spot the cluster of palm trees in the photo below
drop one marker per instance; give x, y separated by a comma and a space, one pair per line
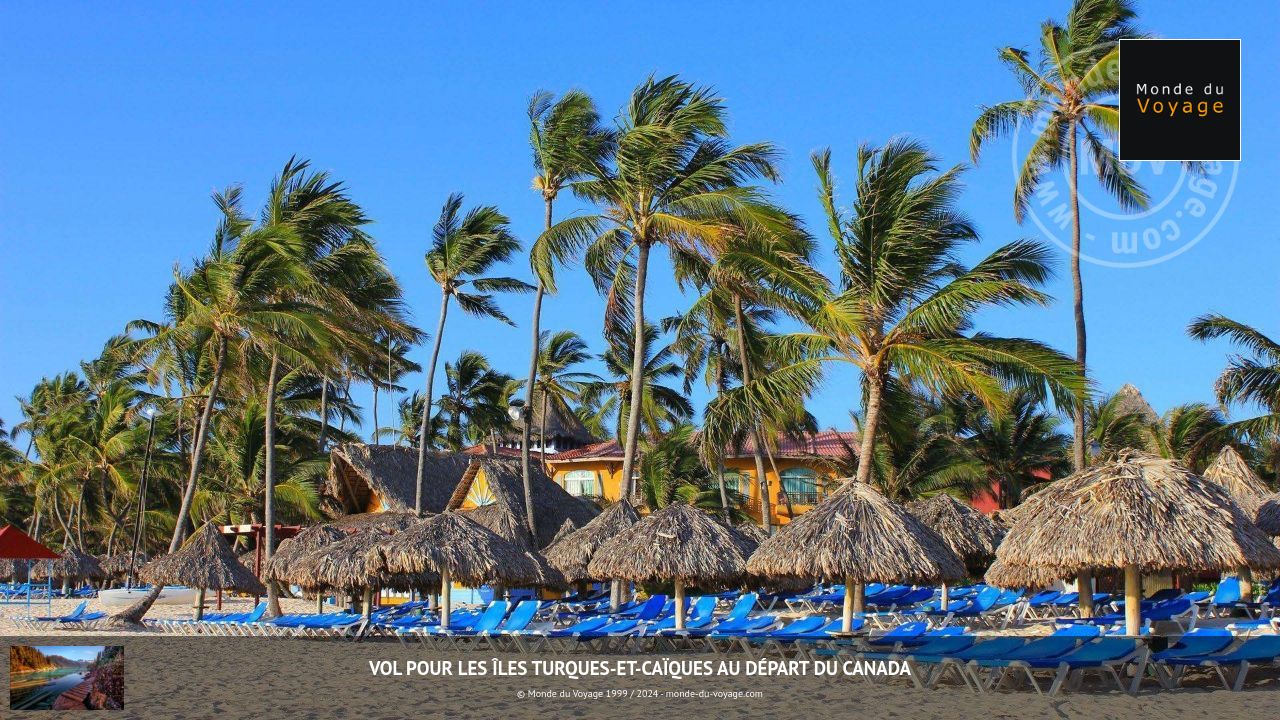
233, 398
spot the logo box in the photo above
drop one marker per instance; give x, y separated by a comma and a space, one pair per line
1180, 100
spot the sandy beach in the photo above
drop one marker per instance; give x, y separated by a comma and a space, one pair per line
205, 677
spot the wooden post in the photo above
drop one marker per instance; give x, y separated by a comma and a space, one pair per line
219, 598
859, 596
445, 586
946, 597
679, 605
1246, 584
615, 595
1132, 601
847, 623
368, 602
319, 603
1084, 585
200, 605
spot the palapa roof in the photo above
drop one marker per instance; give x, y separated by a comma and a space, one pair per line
15, 570
1129, 401
205, 561
571, 554
1003, 575
117, 566
1137, 509
293, 549
1231, 471
389, 521
472, 553
560, 422
970, 534
860, 535
1268, 517
357, 471
71, 563
345, 565
678, 542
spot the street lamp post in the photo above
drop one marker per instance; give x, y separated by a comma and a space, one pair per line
150, 412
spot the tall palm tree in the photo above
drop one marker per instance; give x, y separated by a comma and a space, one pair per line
1077, 73
903, 301
463, 248
384, 372
1253, 377
559, 385
1191, 432
568, 141
475, 403
675, 182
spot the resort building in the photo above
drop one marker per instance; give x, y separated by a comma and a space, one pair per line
798, 476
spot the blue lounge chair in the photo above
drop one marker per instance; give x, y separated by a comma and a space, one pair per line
1201, 641
1103, 655
492, 616
521, 616
1225, 596
532, 640
1254, 651
1180, 611
726, 640
1059, 643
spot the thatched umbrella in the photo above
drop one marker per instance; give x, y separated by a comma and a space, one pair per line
72, 564
344, 566
1137, 513
14, 570
1268, 518
205, 562
390, 521
117, 566
970, 534
567, 528
678, 543
861, 536
571, 554
293, 549
1234, 474
457, 548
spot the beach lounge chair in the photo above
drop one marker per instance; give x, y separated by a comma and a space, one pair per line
521, 616
1201, 641
1059, 643
1225, 596
1105, 655
975, 608
493, 615
534, 639
1264, 649
1180, 611
37, 622
725, 640
929, 668
799, 644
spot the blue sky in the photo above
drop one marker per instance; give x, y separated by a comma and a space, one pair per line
116, 126
84, 653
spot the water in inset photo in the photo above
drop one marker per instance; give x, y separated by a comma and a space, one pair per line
66, 677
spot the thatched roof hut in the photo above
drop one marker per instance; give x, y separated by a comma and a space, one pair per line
861, 536
570, 555
567, 528
388, 521
1003, 575
206, 562
13, 570
1231, 471
1268, 517
366, 478
1137, 513
970, 534
457, 548
345, 565
1129, 401
72, 564
679, 543
279, 567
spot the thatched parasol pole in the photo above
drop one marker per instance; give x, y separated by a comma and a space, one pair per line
1084, 584
679, 604
319, 603
368, 601
859, 591
946, 596
446, 585
846, 624
1132, 600
199, 607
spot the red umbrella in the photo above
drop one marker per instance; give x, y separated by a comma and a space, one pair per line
17, 545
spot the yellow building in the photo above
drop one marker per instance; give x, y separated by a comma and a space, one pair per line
804, 472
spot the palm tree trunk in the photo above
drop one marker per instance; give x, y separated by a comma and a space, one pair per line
197, 453
426, 404
1077, 287
782, 490
269, 483
766, 504
132, 615
869, 421
324, 411
526, 432
375, 414
724, 493
637, 373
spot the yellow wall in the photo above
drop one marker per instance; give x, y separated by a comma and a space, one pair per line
608, 473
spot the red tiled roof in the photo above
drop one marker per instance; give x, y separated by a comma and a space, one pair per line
828, 443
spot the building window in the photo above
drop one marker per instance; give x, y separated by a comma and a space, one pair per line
737, 482
801, 485
581, 483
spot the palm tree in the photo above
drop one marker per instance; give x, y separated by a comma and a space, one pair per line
1246, 380
1191, 432
1112, 425
559, 385
463, 248
568, 141
1078, 72
675, 182
1018, 443
904, 300
475, 403
385, 371
662, 407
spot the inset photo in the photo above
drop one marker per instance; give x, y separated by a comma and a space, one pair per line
66, 677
